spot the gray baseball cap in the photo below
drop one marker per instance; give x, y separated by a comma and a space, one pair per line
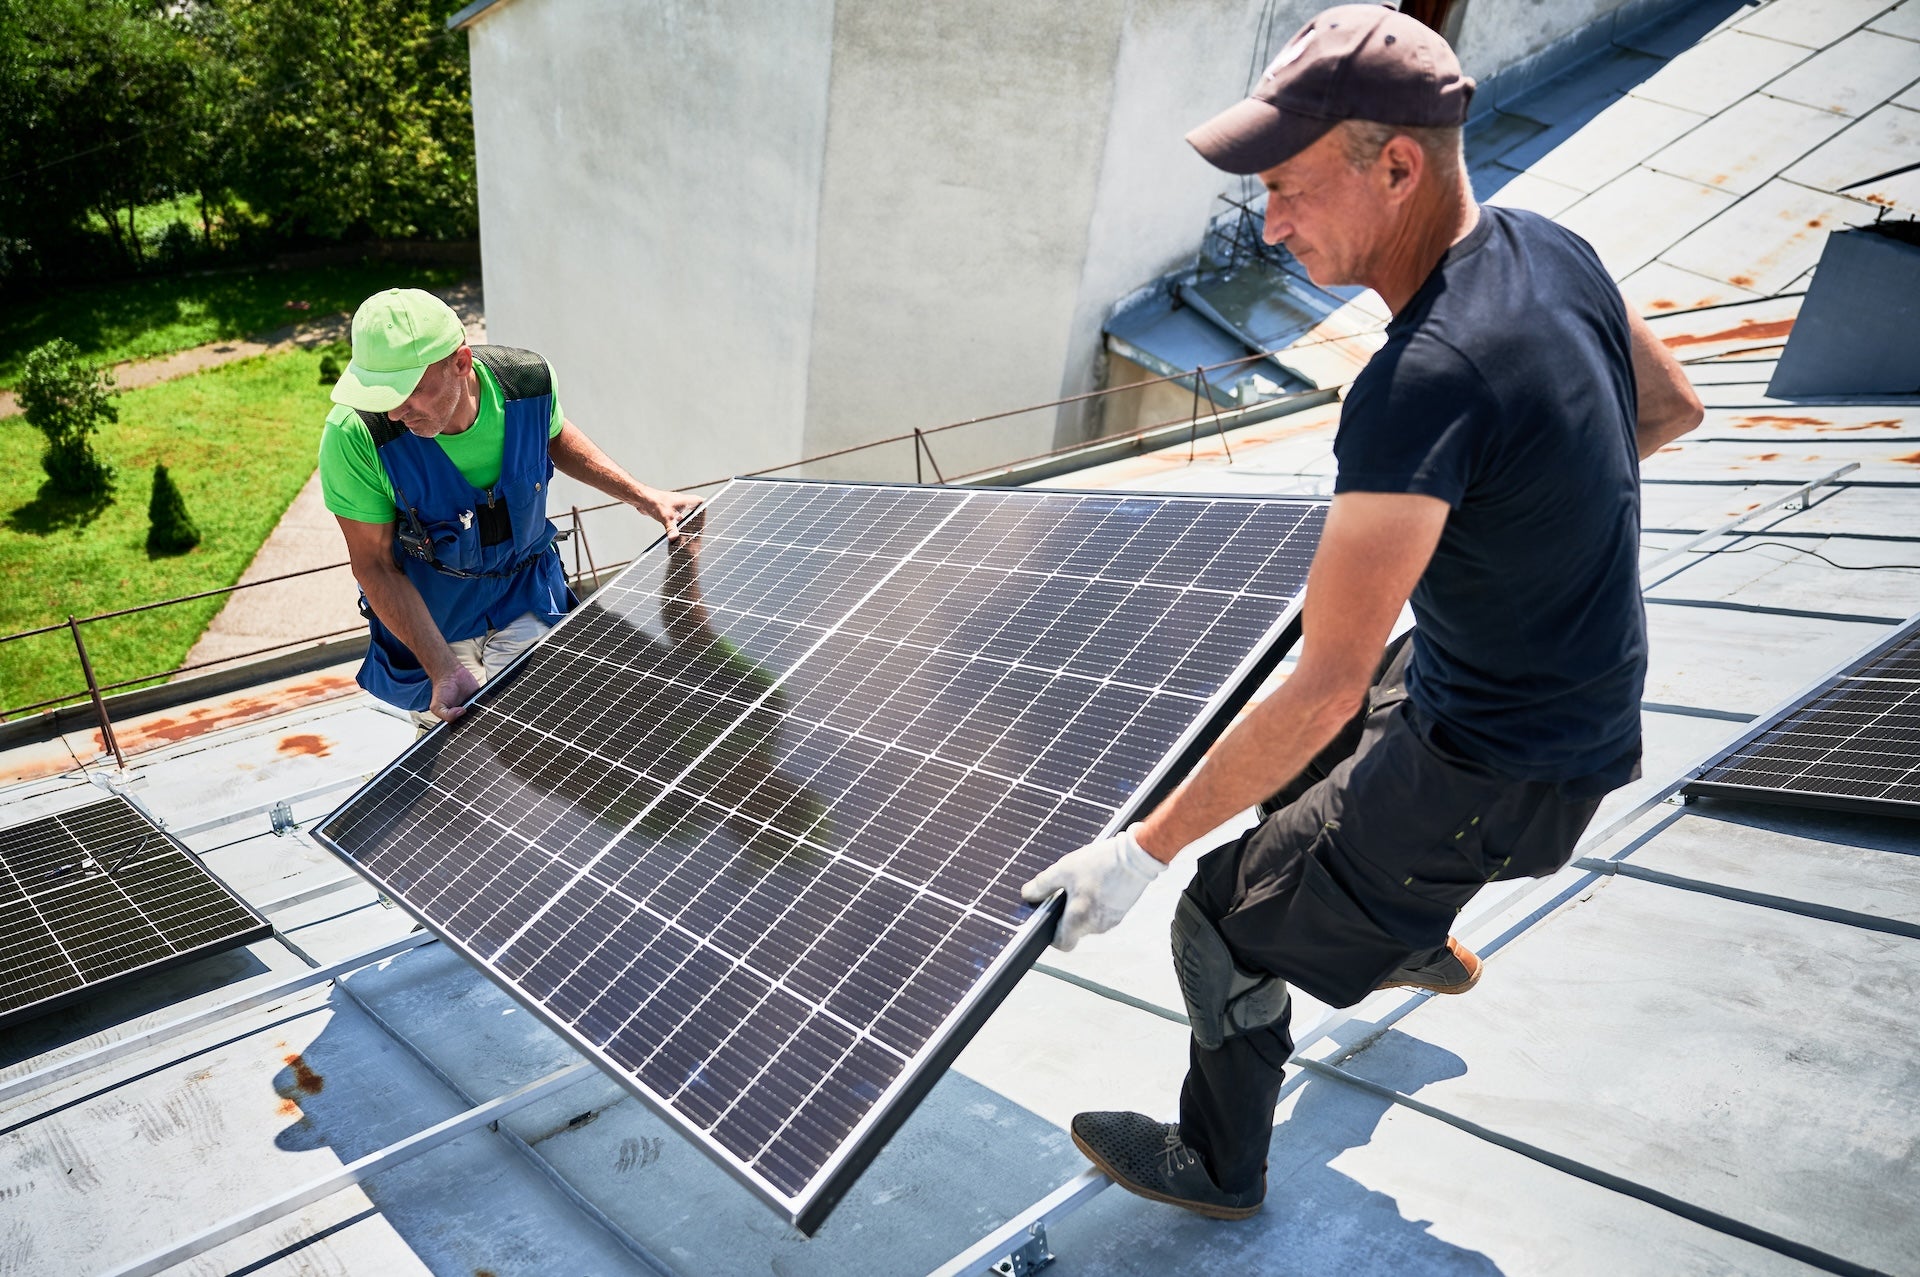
1352, 62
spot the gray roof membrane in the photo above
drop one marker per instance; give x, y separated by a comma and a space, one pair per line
1692, 1051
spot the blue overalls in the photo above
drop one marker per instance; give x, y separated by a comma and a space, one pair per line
480, 558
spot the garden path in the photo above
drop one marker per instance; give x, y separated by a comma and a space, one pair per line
465, 298
306, 536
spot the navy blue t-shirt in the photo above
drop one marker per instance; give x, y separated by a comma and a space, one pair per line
1506, 390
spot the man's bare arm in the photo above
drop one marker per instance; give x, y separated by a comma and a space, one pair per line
1668, 406
1371, 555
578, 457
401, 609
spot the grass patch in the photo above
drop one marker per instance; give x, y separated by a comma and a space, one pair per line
239, 441
157, 315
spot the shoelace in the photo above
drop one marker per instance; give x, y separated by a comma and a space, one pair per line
1176, 1154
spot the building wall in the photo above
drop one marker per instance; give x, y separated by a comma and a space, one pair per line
752, 230
746, 231
649, 178
1493, 35
997, 173
1178, 65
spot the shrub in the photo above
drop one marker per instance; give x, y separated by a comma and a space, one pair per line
65, 397
170, 528
330, 369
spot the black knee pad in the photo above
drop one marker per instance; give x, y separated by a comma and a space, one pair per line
1223, 999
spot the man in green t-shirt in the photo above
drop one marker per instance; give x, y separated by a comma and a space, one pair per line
436, 462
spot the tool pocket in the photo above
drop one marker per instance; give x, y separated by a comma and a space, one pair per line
1326, 941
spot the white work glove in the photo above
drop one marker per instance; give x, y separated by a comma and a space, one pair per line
1102, 881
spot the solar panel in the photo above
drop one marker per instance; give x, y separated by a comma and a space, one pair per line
1852, 743
99, 895
748, 828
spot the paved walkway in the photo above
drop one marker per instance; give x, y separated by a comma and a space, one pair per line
131, 375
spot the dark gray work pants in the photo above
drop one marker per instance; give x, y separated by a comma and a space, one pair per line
1362, 867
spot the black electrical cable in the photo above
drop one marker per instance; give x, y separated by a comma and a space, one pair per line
1844, 567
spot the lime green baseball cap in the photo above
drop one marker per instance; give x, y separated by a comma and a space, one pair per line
396, 334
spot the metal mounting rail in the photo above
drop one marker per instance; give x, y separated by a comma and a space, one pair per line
266, 808
1802, 493
1049, 1210
138, 1042
352, 1173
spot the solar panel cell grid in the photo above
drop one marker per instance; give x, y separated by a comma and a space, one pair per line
1853, 742
96, 894
749, 828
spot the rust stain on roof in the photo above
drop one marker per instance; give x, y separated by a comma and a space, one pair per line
305, 1080
1910, 459
172, 728
1765, 456
309, 744
1745, 330
1780, 423
1661, 303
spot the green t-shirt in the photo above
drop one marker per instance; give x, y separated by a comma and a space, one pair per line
354, 483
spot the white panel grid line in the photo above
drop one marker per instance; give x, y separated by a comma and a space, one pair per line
684, 773
99, 894
1856, 738
749, 878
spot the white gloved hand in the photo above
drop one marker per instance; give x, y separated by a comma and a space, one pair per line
1102, 881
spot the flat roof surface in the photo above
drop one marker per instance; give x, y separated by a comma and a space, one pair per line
1692, 1051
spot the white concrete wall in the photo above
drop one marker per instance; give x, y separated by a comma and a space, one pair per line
746, 231
1495, 34
649, 178
1178, 65
997, 173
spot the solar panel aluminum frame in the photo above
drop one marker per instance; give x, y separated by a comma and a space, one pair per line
807, 1210
1697, 788
263, 929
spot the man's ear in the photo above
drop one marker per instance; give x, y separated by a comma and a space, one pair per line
1401, 166
463, 360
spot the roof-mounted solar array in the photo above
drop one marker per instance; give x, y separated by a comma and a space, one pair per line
1852, 743
748, 828
98, 895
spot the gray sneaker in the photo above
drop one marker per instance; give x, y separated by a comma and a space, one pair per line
1451, 969
1149, 1158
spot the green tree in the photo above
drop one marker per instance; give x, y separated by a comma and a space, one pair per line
356, 117
331, 121
170, 529
94, 95
65, 398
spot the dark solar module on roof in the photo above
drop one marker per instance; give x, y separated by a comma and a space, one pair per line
97, 895
1852, 743
748, 829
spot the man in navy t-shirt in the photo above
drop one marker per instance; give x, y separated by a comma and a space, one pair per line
1488, 472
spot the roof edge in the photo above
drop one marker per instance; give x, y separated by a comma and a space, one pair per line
472, 13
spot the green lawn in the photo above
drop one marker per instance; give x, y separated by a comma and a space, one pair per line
239, 441
144, 318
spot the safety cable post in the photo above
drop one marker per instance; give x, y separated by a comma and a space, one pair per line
920, 441
93, 689
580, 538
1219, 426
1193, 421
